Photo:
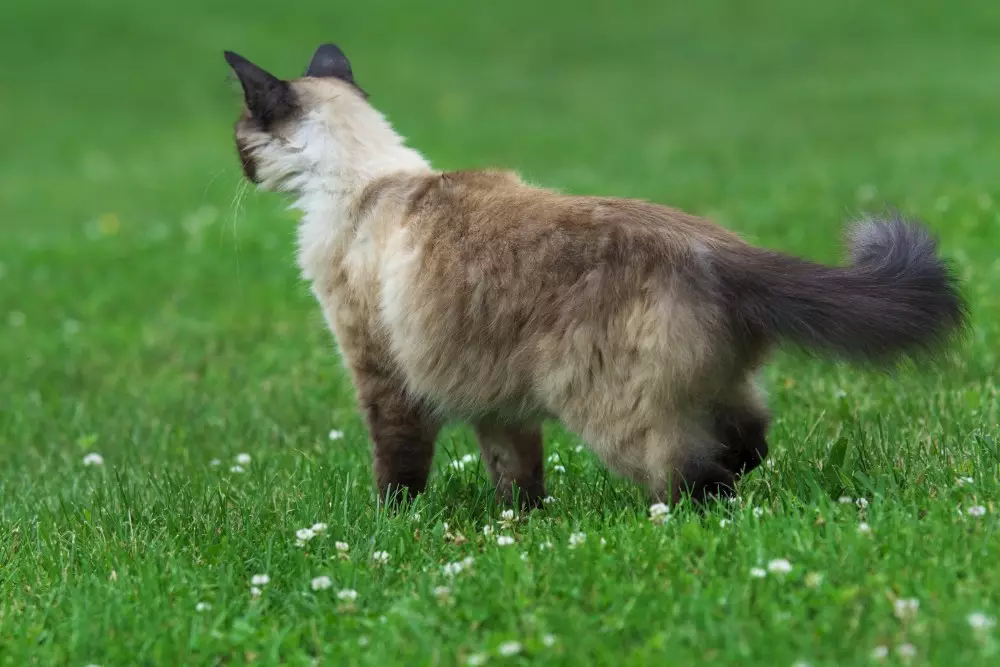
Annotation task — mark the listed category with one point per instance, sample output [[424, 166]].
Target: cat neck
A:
[[328, 197], [327, 191]]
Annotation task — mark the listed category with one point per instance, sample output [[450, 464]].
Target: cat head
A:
[[311, 130]]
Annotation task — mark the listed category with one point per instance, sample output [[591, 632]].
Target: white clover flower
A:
[[508, 649], [980, 621], [335, 435], [507, 515], [604, 542], [243, 459], [451, 569], [880, 652], [758, 512], [976, 510], [906, 608], [554, 457], [723, 523], [469, 459], [215, 463], [304, 534], [321, 583], [93, 459], [549, 640], [549, 500], [442, 593], [964, 481], [342, 547], [659, 512], [559, 468], [906, 651], [524, 556], [203, 606], [318, 528], [487, 530], [236, 468], [505, 540], [578, 449], [845, 500], [456, 465], [758, 572], [779, 566], [255, 592], [864, 528], [814, 579], [260, 580], [347, 595], [475, 660], [576, 539], [862, 503], [545, 545], [380, 557]]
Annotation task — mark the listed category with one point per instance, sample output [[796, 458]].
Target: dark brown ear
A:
[[268, 98], [329, 60]]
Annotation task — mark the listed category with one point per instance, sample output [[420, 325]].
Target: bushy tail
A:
[[897, 297]]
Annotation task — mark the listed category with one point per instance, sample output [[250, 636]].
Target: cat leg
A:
[[513, 456], [402, 438], [682, 460], [675, 458], [702, 479], [740, 423]]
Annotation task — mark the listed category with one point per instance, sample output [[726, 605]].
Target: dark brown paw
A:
[[704, 480], [526, 498], [396, 495], [744, 440]]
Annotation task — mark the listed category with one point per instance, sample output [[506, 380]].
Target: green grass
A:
[[148, 316]]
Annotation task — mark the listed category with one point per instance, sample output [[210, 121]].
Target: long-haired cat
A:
[[476, 296]]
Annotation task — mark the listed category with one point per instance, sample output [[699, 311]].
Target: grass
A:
[[148, 316]]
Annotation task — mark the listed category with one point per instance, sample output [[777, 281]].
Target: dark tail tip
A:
[[903, 256]]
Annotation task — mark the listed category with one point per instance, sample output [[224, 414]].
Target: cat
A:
[[475, 296]]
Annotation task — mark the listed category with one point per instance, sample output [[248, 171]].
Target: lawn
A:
[[151, 314]]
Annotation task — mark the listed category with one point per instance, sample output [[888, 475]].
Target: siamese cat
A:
[[476, 296]]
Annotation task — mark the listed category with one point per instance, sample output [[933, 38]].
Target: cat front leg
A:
[[402, 437], [513, 455]]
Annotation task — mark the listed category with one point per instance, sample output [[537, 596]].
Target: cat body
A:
[[475, 296]]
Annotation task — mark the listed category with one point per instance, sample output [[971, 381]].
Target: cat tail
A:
[[896, 298]]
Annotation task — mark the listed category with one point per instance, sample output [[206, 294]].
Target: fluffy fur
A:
[[476, 296]]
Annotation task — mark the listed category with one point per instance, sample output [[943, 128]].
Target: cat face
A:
[[292, 129]]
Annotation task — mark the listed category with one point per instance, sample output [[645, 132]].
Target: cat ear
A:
[[329, 60], [268, 98]]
